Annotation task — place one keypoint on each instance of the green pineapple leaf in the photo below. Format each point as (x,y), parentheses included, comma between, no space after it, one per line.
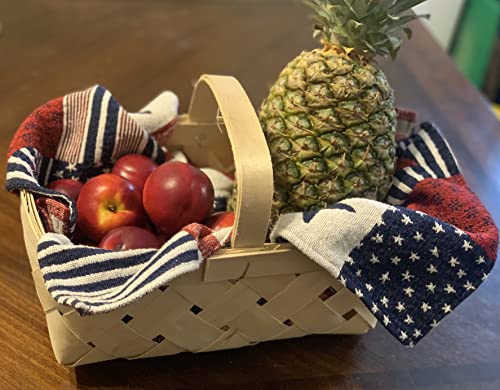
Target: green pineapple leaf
(368,27)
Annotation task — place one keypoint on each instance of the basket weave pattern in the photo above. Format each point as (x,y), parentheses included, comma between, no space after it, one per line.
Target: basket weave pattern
(196,316)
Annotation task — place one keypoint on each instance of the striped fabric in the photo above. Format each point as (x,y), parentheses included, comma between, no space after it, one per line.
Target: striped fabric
(94,280)
(435,160)
(76,122)
(24,167)
(96,128)
(411,260)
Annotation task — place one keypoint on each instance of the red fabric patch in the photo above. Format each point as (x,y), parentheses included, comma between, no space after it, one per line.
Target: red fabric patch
(405,162)
(207,243)
(41,130)
(54,215)
(451,201)
(406,115)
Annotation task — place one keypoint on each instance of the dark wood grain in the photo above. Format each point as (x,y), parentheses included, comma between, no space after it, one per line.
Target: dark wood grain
(139,48)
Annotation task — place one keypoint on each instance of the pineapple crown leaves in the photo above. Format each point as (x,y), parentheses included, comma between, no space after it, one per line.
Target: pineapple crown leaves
(368,28)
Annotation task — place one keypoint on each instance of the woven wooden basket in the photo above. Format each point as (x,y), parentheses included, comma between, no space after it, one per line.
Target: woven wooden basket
(250,293)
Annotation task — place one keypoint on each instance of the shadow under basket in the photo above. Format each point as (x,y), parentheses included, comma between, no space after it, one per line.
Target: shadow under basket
(250,293)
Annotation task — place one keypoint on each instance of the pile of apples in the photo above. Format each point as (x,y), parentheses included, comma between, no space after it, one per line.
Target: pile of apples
(140,204)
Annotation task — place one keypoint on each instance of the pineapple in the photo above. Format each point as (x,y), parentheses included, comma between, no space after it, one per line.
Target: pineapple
(329,119)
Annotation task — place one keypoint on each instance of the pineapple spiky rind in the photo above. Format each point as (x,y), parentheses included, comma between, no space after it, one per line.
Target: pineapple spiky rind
(330,123)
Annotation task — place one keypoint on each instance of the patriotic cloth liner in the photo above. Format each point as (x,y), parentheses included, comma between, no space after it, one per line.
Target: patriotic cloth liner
(410,268)
(410,265)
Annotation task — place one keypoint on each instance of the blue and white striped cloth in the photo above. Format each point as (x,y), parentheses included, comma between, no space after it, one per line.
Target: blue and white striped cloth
(434,160)
(94,280)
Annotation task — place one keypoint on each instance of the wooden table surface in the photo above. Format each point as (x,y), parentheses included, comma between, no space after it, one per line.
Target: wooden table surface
(139,48)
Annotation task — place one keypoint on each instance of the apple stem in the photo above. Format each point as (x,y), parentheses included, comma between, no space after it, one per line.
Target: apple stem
(112,207)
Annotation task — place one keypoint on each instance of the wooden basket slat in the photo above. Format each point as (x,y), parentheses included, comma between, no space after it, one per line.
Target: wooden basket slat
(122,341)
(225,308)
(256,324)
(274,260)
(230,341)
(164,348)
(154,318)
(267,287)
(44,297)
(95,355)
(89,328)
(353,326)
(291,332)
(306,318)
(201,332)
(68,346)
(188,286)
(301,291)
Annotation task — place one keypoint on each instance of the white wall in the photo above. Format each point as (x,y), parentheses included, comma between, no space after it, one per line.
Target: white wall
(444,16)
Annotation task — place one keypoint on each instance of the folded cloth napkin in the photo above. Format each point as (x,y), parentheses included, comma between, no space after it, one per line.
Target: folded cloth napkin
(411,265)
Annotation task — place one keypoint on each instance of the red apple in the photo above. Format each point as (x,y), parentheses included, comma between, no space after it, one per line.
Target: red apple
(177,194)
(68,187)
(129,237)
(106,202)
(220,220)
(135,168)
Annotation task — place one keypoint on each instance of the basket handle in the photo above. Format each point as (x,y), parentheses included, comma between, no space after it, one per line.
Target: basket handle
(254,172)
